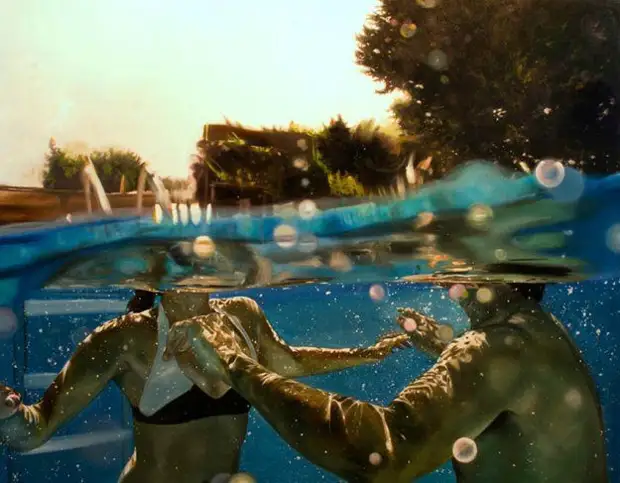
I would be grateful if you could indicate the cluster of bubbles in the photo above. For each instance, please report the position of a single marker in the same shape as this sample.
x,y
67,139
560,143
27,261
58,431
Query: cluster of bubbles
x,y
286,236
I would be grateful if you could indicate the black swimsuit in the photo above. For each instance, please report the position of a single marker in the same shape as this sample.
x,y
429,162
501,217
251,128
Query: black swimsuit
x,y
195,404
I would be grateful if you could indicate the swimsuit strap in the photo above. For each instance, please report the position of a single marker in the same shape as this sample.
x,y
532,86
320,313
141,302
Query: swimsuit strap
x,y
237,323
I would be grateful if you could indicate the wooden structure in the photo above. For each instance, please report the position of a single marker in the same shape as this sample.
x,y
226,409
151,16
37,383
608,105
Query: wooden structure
x,y
18,204
297,145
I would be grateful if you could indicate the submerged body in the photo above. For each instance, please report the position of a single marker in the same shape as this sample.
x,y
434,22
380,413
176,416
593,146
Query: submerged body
x,y
511,400
182,432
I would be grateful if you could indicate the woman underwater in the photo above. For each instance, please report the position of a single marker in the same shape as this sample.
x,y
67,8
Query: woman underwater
x,y
181,432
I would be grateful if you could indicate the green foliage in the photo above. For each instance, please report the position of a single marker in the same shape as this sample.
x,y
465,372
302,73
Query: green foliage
x,y
344,185
363,152
501,79
62,169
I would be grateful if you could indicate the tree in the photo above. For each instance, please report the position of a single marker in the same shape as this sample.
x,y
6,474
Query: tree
x,y
62,168
364,152
506,80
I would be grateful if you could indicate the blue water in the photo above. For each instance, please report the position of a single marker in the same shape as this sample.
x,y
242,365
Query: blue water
x,y
96,444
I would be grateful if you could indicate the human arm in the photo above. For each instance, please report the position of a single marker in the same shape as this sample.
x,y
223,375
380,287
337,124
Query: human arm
x,y
425,333
292,361
97,360
474,381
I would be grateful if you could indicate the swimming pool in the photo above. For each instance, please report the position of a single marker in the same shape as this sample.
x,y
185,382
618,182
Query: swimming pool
x,y
96,444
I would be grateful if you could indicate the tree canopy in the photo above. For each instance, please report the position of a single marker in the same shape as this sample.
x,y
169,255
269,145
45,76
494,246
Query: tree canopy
x,y
504,80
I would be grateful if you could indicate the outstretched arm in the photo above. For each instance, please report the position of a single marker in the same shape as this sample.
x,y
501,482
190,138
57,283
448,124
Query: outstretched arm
x,y
291,361
97,360
474,381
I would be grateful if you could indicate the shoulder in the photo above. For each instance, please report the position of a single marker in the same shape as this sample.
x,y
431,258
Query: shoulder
x,y
239,305
125,328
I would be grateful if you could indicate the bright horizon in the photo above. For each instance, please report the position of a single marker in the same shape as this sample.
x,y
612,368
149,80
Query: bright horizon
x,y
146,76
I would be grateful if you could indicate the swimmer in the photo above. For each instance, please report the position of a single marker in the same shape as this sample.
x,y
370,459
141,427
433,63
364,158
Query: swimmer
x,y
511,401
182,433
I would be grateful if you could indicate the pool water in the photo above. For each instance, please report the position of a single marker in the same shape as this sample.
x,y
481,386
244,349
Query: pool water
x,y
96,444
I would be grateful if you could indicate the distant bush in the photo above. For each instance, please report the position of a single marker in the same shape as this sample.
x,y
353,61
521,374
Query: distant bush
x,y
62,169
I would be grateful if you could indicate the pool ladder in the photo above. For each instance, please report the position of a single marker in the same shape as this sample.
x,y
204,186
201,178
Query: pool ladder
x,y
164,208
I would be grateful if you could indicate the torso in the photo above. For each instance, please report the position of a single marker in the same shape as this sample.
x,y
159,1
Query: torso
x,y
186,452
554,432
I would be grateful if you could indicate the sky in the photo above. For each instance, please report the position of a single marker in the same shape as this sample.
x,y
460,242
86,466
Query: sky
x,y
147,75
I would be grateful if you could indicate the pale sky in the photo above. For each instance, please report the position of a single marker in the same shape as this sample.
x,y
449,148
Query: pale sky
x,y
147,74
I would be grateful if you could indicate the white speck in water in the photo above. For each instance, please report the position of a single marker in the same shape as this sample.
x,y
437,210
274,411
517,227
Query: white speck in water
x,y
305,182
375,459
464,450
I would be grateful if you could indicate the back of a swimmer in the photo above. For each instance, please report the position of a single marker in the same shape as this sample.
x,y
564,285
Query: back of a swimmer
x,y
194,437
515,384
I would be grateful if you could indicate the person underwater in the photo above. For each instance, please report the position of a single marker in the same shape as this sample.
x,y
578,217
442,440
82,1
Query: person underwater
x,y
182,431
509,400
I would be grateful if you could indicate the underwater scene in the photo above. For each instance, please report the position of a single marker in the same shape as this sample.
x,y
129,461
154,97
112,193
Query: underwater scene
x,y
366,241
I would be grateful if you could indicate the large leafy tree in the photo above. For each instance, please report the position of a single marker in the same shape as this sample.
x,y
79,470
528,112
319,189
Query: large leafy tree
x,y
507,80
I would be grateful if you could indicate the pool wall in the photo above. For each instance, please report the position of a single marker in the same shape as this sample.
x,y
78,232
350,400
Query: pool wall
x,y
94,447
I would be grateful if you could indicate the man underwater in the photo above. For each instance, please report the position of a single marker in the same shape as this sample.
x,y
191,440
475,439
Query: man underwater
x,y
510,401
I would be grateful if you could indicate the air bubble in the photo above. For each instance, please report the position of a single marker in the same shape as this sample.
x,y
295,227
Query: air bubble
x,y
242,478
613,238
457,291
300,163
479,215
285,236
203,247
377,293
302,144
427,3
550,173
305,182
573,398
484,295
500,254
340,262
445,333
464,450
410,325
307,209
437,59
425,218
307,243
8,323
375,459
408,29
444,79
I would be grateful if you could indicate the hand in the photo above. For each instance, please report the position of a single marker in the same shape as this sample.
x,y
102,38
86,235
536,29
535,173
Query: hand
x,y
203,346
389,343
424,333
9,402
